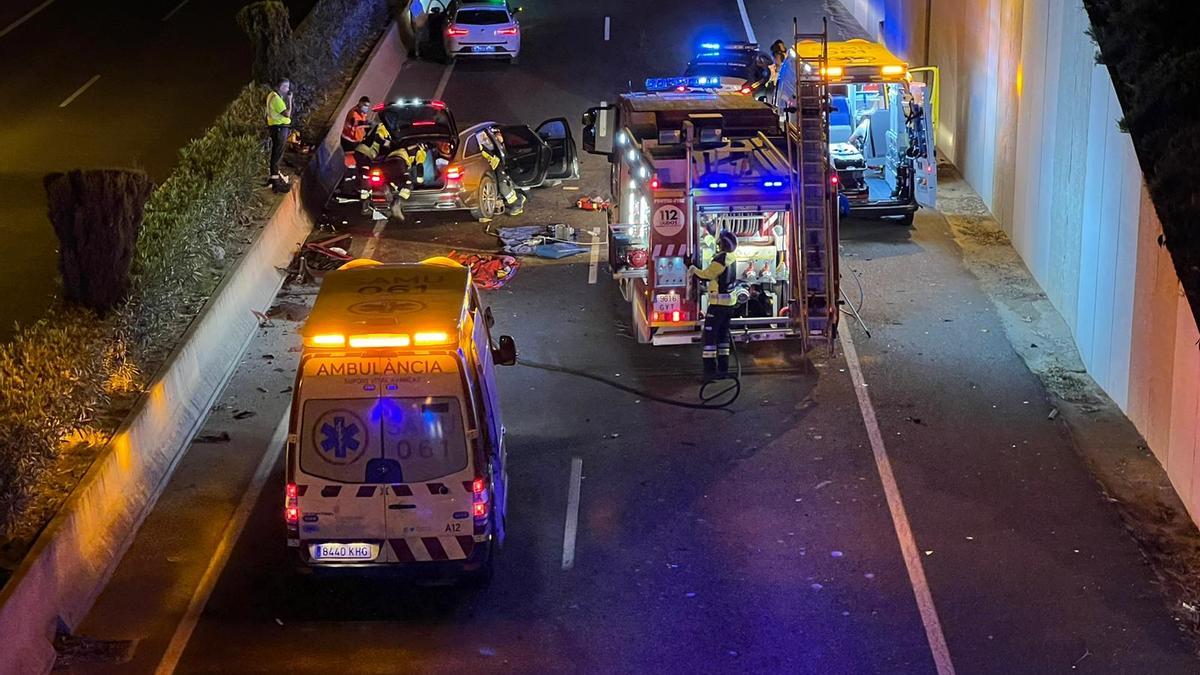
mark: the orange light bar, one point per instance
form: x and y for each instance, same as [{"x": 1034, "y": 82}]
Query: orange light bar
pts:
[
  {"x": 431, "y": 338},
  {"x": 331, "y": 340},
  {"x": 379, "y": 340},
  {"x": 832, "y": 71},
  {"x": 892, "y": 70}
]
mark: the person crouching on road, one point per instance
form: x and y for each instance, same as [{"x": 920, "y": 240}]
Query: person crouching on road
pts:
[
  {"x": 354, "y": 129},
  {"x": 279, "y": 122},
  {"x": 720, "y": 276}
]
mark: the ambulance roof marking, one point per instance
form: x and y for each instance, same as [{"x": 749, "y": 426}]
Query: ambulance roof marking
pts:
[
  {"x": 399, "y": 297},
  {"x": 851, "y": 53}
]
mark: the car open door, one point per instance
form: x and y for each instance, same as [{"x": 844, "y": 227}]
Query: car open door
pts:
[
  {"x": 925, "y": 98},
  {"x": 527, "y": 157},
  {"x": 564, "y": 162}
]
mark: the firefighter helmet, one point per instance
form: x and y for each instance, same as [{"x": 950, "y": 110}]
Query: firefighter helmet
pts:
[{"x": 727, "y": 241}]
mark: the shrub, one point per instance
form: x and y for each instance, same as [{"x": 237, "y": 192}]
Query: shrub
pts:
[
  {"x": 269, "y": 28},
  {"x": 1153, "y": 55},
  {"x": 97, "y": 215},
  {"x": 56, "y": 375}
]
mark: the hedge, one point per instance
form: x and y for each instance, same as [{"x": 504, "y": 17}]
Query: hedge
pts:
[
  {"x": 1152, "y": 51},
  {"x": 59, "y": 375}
]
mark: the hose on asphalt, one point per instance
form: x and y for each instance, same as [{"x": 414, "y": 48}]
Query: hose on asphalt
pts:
[{"x": 717, "y": 400}]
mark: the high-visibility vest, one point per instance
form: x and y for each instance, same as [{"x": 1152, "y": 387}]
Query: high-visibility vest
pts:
[
  {"x": 720, "y": 277},
  {"x": 355, "y": 128},
  {"x": 275, "y": 107}
]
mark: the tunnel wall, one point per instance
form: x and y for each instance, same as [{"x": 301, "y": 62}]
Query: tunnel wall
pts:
[{"x": 1031, "y": 121}]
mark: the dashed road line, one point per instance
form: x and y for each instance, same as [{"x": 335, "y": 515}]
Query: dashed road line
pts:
[
  {"x": 28, "y": 15},
  {"x": 172, "y": 12},
  {"x": 607, "y": 26},
  {"x": 79, "y": 91},
  {"x": 594, "y": 262},
  {"x": 572, "y": 523},
  {"x": 746, "y": 21},
  {"x": 233, "y": 530},
  {"x": 908, "y": 545},
  {"x": 441, "y": 87}
]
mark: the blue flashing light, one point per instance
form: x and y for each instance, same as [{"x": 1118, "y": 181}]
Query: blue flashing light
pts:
[
  {"x": 772, "y": 183},
  {"x": 710, "y": 45},
  {"x": 718, "y": 186}
]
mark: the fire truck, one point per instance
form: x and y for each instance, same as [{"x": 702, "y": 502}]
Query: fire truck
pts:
[{"x": 688, "y": 162}]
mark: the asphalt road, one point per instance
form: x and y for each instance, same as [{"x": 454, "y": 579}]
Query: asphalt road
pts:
[
  {"x": 760, "y": 540},
  {"x": 100, "y": 84}
]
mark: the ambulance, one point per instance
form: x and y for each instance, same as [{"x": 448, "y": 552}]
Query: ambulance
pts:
[
  {"x": 395, "y": 446},
  {"x": 882, "y": 123}
]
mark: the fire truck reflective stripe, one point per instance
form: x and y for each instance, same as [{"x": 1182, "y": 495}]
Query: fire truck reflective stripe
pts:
[
  {"x": 365, "y": 491},
  {"x": 403, "y": 552},
  {"x": 401, "y": 491},
  {"x": 436, "y": 488},
  {"x": 420, "y": 554},
  {"x": 770, "y": 221},
  {"x": 300, "y": 490},
  {"x": 657, "y": 251},
  {"x": 331, "y": 490},
  {"x": 467, "y": 543},
  {"x": 435, "y": 548}
]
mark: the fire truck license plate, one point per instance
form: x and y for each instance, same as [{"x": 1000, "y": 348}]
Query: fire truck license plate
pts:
[
  {"x": 666, "y": 302},
  {"x": 340, "y": 551}
]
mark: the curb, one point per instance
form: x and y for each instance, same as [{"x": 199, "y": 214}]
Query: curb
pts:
[{"x": 72, "y": 560}]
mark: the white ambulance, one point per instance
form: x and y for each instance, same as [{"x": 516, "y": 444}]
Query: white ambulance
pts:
[{"x": 395, "y": 449}]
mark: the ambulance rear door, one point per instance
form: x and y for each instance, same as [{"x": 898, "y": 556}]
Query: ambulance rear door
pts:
[
  {"x": 339, "y": 447},
  {"x": 925, "y": 93},
  {"x": 431, "y": 472}
]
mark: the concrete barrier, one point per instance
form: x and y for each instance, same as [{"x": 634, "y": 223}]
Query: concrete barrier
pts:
[{"x": 72, "y": 560}]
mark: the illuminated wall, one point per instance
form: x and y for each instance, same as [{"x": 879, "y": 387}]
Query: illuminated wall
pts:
[{"x": 1031, "y": 121}]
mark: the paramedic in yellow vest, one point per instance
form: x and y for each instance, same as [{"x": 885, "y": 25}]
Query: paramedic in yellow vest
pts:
[
  {"x": 279, "y": 121},
  {"x": 720, "y": 276}
]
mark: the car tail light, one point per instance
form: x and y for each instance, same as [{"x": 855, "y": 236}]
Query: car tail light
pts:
[
  {"x": 440, "y": 105},
  {"x": 456, "y": 31},
  {"x": 511, "y": 30},
  {"x": 833, "y": 179},
  {"x": 375, "y": 177},
  {"x": 675, "y": 316},
  {"x": 654, "y": 183},
  {"x": 453, "y": 173},
  {"x": 746, "y": 89},
  {"x": 377, "y": 107}
]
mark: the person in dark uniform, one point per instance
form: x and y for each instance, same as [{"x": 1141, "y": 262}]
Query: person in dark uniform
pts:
[{"x": 720, "y": 276}]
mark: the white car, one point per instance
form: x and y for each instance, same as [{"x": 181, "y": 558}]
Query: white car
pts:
[{"x": 479, "y": 28}]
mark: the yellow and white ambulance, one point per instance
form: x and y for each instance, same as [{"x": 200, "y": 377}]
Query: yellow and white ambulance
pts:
[{"x": 395, "y": 447}]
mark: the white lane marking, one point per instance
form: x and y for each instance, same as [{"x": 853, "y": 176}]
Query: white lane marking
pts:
[
  {"x": 373, "y": 242},
  {"x": 594, "y": 263},
  {"x": 79, "y": 91},
  {"x": 607, "y": 25},
  {"x": 377, "y": 231},
  {"x": 172, "y": 12},
  {"x": 908, "y": 545},
  {"x": 572, "y": 524},
  {"x": 441, "y": 88},
  {"x": 28, "y": 15},
  {"x": 233, "y": 530},
  {"x": 746, "y": 21}
]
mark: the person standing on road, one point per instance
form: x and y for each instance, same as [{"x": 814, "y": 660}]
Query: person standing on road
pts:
[
  {"x": 279, "y": 122},
  {"x": 354, "y": 129},
  {"x": 493, "y": 154},
  {"x": 720, "y": 276}
]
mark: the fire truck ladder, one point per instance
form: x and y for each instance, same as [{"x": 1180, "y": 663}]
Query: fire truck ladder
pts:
[{"x": 814, "y": 203}]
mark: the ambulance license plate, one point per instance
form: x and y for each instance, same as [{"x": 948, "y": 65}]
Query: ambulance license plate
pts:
[
  {"x": 343, "y": 551},
  {"x": 666, "y": 303}
]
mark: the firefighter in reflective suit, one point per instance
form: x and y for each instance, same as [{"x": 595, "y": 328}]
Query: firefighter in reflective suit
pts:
[{"x": 720, "y": 276}]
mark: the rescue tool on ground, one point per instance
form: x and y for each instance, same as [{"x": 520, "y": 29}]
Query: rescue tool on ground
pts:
[
  {"x": 395, "y": 447},
  {"x": 689, "y": 165}
]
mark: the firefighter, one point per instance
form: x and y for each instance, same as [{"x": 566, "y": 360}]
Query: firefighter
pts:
[
  {"x": 514, "y": 202},
  {"x": 354, "y": 130},
  {"x": 720, "y": 276}
]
